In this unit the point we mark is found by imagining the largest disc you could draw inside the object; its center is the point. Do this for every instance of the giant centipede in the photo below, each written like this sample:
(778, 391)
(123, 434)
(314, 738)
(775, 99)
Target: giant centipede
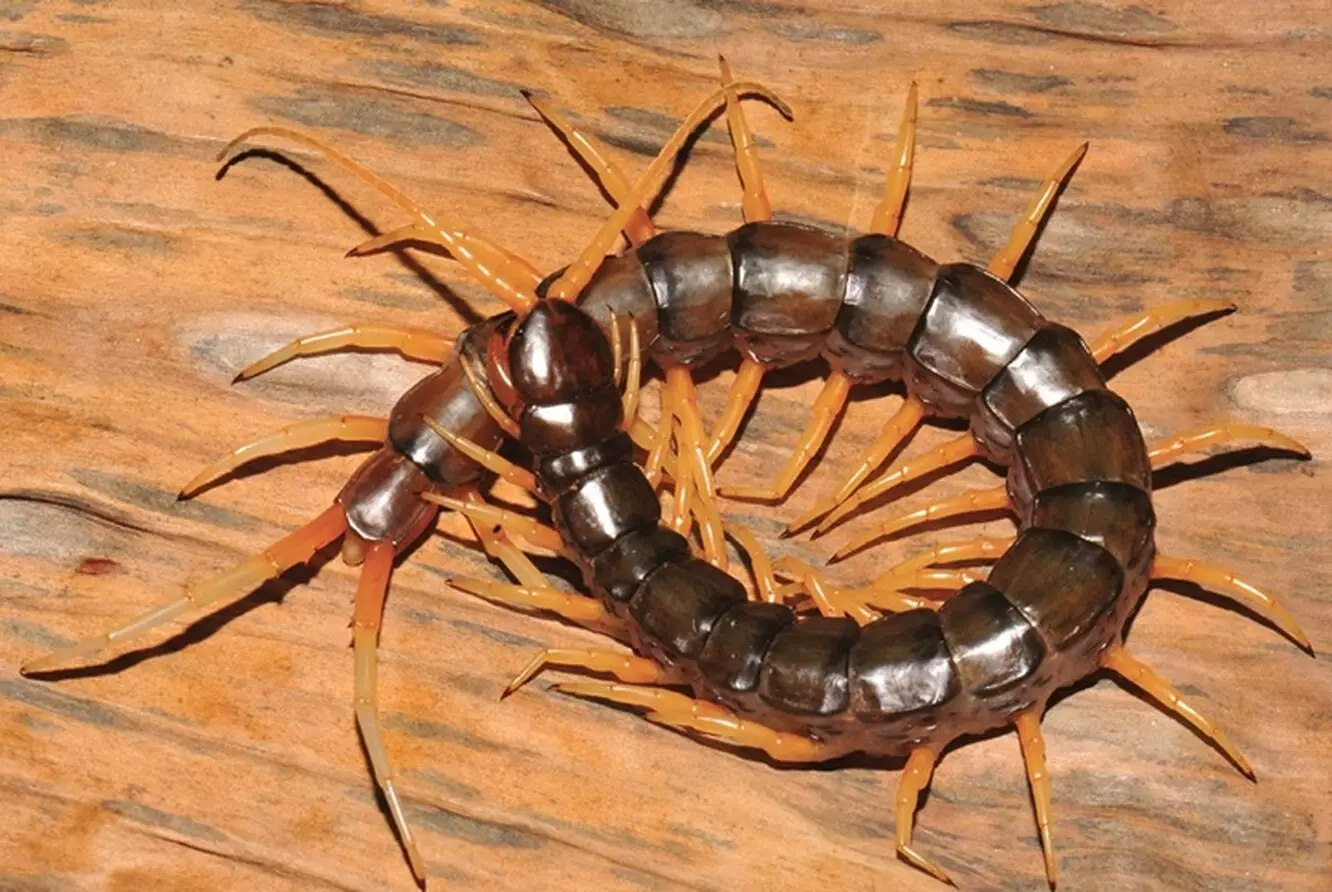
(872, 670)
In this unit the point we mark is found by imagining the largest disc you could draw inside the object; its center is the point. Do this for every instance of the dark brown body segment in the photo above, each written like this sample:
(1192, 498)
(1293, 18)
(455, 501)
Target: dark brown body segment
(973, 326)
(994, 647)
(805, 670)
(900, 666)
(692, 282)
(735, 650)
(788, 288)
(1116, 516)
(887, 286)
(679, 603)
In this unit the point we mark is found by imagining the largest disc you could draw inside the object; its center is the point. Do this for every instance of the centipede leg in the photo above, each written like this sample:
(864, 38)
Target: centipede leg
(499, 547)
(621, 666)
(951, 453)
(413, 343)
(486, 458)
(633, 382)
(578, 609)
(1141, 676)
(370, 595)
(738, 400)
(507, 276)
(1161, 454)
(293, 549)
(638, 228)
(1028, 726)
(829, 599)
(976, 501)
(302, 435)
(676, 710)
(1154, 320)
(765, 583)
(888, 215)
(894, 433)
(1219, 580)
(754, 202)
(684, 405)
(1008, 257)
(915, 778)
(511, 522)
(827, 406)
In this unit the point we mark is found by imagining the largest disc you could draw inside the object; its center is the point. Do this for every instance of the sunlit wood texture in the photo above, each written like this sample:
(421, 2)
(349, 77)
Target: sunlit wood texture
(133, 286)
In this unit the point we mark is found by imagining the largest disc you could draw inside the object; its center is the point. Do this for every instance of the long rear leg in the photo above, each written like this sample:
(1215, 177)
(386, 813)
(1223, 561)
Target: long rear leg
(417, 344)
(295, 548)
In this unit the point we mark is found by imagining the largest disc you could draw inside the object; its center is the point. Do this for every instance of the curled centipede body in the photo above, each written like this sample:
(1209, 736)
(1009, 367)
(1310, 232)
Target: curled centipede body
(878, 670)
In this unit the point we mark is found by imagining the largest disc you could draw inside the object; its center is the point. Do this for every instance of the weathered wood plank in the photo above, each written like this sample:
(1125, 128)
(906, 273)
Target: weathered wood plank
(135, 286)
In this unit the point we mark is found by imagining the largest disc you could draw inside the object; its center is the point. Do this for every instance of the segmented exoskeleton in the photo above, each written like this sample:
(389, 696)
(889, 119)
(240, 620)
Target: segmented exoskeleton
(802, 688)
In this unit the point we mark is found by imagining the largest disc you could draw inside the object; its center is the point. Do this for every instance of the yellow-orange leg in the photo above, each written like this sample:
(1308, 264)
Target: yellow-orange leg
(738, 400)
(579, 273)
(765, 583)
(514, 524)
(486, 458)
(1152, 321)
(888, 215)
(1028, 726)
(953, 452)
(633, 382)
(829, 599)
(302, 435)
(1010, 255)
(417, 344)
(293, 549)
(1141, 676)
(621, 666)
(1163, 453)
(971, 551)
(676, 710)
(498, 545)
(507, 276)
(638, 228)
(691, 442)
(894, 433)
(483, 395)
(579, 609)
(827, 406)
(915, 778)
(974, 501)
(369, 609)
(1219, 580)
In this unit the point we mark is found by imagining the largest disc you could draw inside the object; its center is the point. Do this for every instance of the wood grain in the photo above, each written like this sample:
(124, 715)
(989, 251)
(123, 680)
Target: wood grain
(134, 286)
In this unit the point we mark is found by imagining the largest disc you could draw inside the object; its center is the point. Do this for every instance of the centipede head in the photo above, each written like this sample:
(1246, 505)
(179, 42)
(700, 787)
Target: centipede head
(554, 354)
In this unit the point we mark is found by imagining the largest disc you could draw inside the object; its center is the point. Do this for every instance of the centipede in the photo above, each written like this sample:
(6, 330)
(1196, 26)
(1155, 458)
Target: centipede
(805, 670)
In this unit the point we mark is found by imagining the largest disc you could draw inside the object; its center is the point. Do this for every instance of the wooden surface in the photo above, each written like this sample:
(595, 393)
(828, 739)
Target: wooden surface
(133, 287)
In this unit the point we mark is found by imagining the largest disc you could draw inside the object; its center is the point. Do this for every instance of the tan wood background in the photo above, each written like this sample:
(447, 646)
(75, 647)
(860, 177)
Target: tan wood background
(133, 286)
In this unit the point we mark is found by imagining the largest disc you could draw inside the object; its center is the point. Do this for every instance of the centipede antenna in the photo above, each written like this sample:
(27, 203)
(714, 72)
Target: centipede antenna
(638, 228)
(408, 232)
(953, 452)
(1165, 452)
(1141, 676)
(895, 432)
(827, 406)
(371, 592)
(888, 215)
(302, 435)
(577, 275)
(1219, 580)
(1150, 322)
(510, 278)
(295, 548)
(486, 458)
(1008, 257)
(915, 778)
(620, 666)
(1028, 726)
(417, 344)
